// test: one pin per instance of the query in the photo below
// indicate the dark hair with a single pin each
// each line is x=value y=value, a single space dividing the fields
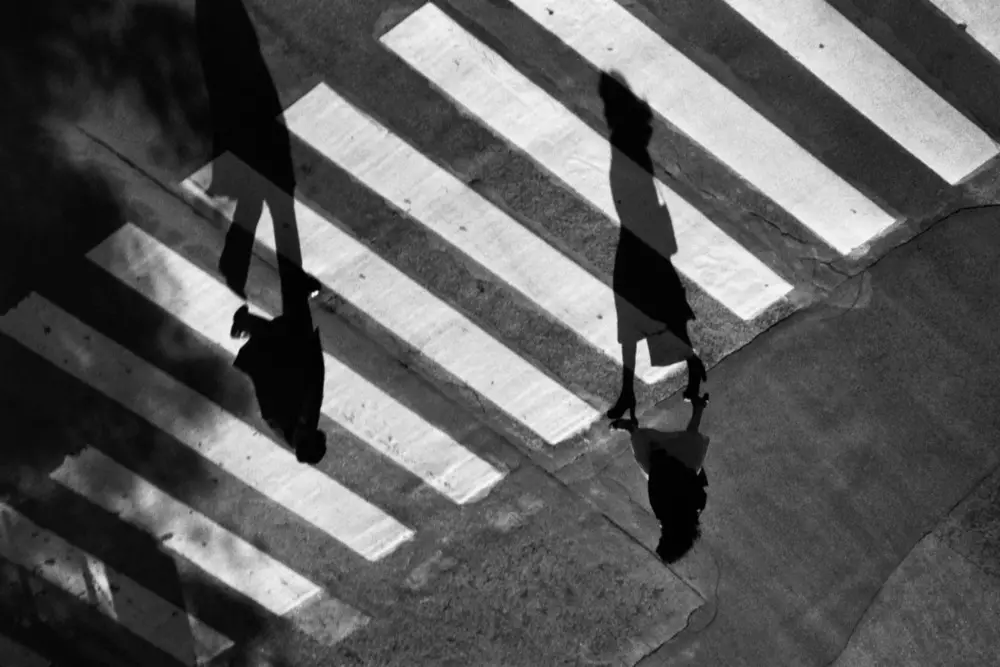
x=677 y=495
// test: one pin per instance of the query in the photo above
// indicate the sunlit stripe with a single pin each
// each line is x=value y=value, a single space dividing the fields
x=108 y=592
x=213 y=433
x=980 y=17
x=873 y=82
x=491 y=89
x=445 y=205
x=427 y=323
x=608 y=36
x=195 y=298
x=185 y=532
x=16 y=655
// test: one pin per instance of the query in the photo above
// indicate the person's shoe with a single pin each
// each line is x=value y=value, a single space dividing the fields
x=625 y=403
x=311 y=449
x=696 y=375
x=241 y=323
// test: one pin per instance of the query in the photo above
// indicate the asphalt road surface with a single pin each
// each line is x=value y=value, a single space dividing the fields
x=458 y=200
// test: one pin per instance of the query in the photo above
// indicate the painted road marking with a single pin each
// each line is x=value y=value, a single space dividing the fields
x=610 y=38
x=439 y=201
x=874 y=83
x=425 y=322
x=981 y=18
x=108 y=592
x=185 y=532
x=487 y=86
x=226 y=441
x=202 y=303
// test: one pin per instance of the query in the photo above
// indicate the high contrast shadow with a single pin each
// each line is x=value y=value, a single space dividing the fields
x=245 y=110
x=673 y=464
x=283 y=357
x=650 y=300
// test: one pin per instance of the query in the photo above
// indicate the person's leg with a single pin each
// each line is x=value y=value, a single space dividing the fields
x=234 y=263
x=695 y=370
x=626 y=400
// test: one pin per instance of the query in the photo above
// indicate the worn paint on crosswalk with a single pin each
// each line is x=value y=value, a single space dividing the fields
x=87 y=578
x=218 y=436
x=185 y=532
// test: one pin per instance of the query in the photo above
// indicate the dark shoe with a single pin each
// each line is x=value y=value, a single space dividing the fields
x=241 y=323
x=626 y=403
x=625 y=424
x=310 y=448
x=696 y=375
x=697 y=401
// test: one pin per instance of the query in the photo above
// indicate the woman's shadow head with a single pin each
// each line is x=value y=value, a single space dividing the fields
x=677 y=495
x=629 y=118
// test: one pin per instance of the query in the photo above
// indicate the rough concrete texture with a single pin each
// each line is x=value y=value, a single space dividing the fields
x=540 y=581
x=937 y=608
x=839 y=440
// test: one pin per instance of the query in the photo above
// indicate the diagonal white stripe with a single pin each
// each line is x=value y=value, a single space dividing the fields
x=72 y=569
x=185 y=532
x=215 y=434
x=196 y=299
x=874 y=83
x=425 y=322
x=491 y=89
x=610 y=38
x=456 y=213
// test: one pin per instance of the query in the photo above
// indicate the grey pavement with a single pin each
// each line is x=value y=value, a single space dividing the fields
x=852 y=515
x=853 y=512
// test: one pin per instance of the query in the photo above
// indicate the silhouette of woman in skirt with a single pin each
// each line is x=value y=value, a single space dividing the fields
x=650 y=300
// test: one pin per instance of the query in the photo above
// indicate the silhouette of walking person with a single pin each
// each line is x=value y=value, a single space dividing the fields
x=245 y=108
x=673 y=463
x=650 y=300
x=284 y=359
x=284 y=356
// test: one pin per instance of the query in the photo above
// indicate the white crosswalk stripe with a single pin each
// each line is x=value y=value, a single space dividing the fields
x=441 y=202
x=491 y=89
x=873 y=82
x=88 y=579
x=427 y=323
x=607 y=35
x=493 y=92
x=220 y=438
x=185 y=532
x=195 y=298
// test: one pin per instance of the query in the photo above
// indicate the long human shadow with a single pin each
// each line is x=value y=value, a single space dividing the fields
x=62 y=60
x=283 y=357
x=650 y=299
x=673 y=463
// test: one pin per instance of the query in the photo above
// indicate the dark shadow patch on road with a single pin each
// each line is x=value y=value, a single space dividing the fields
x=63 y=61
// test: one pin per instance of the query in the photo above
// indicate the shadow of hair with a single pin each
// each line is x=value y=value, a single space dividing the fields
x=677 y=495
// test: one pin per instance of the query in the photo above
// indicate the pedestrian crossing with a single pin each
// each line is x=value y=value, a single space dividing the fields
x=577 y=298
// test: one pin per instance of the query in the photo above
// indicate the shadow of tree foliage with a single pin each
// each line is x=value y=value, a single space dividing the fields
x=61 y=60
